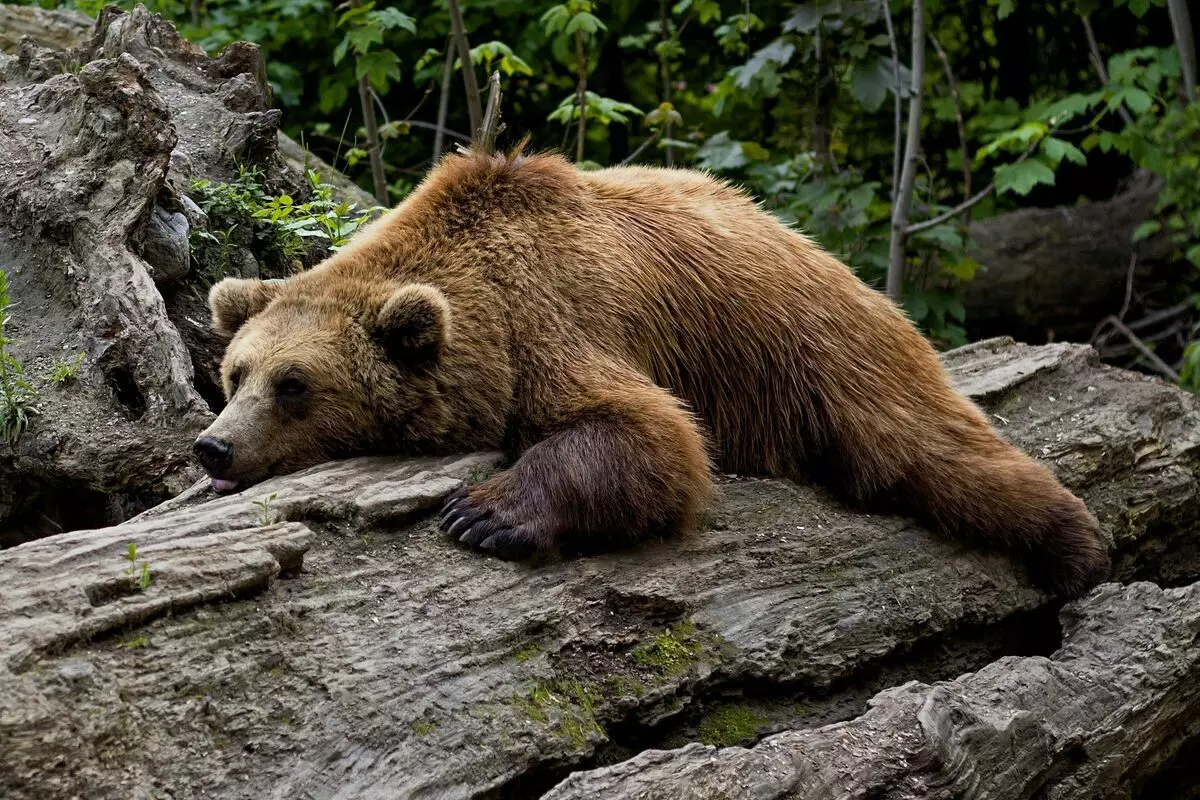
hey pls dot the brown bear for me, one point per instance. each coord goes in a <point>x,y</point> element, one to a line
<point>614,332</point>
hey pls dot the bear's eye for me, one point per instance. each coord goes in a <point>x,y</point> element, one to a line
<point>291,387</point>
<point>235,379</point>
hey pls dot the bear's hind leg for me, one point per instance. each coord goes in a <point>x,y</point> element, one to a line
<point>950,469</point>
<point>622,460</point>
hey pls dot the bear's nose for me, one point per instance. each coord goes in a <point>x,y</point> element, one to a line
<point>216,455</point>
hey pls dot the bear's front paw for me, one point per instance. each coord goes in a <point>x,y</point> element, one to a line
<point>479,519</point>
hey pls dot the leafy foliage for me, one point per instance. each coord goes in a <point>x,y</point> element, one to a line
<point>280,232</point>
<point>16,393</point>
<point>793,100</point>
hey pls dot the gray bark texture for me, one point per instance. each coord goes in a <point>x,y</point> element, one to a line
<point>1054,273</point>
<point>315,636</point>
<point>103,125</point>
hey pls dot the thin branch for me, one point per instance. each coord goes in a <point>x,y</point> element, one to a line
<point>1181,26</point>
<point>459,32</point>
<point>967,204</point>
<point>1150,355</point>
<point>908,175</point>
<point>958,119</point>
<point>443,101</point>
<point>1128,286</point>
<point>665,71</point>
<point>898,144</point>
<point>651,139</point>
<point>485,142</point>
<point>1098,65</point>
<point>581,91</point>
<point>372,126</point>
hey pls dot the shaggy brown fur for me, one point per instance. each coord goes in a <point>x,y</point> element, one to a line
<point>612,330</point>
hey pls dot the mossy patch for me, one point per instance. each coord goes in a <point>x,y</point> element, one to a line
<point>526,653</point>
<point>673,651</point>
<point>568,707</point>
<point>728,725</point>
<point>422,727</point>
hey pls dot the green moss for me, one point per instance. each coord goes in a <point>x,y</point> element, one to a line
<point>422,727</point>
<point>672,652</point>
<point>728,725</point>
<point>136,643</point>
<point>569,707</point>
<point>526,653</point>
<point>624,686</point>
<point>480,474</point>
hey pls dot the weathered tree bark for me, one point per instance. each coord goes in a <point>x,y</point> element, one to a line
<point>58,29</point>
<point>101,132</point>
<point>1091,721</point>
<point>1054,273</point>
<point>332,643</point>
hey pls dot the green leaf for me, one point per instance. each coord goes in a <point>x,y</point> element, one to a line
<point>755,151</point>
<point>870,80</point>
<point>764,64</point>
<point>555,20</point>
<point>1193,255</point>
<point>361,39</point>
<point>917,307</point>
<point>378,67</point>
<point>1056,150</point>
<point>720,153</point>
<point>1022,177</point>
<point>392,18</point>
<point>585,23</point>
<point>354,12</point>
<point>1146,230</point>
<point>339,52</point>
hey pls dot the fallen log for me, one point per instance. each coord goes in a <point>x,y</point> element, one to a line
<point>1092,721</point>
<point>1051,274</point>
<point>315,636</point>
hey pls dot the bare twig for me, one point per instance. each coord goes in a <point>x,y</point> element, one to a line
<point>958,119</point>
<point>1128,286</point>
<point>967,204</point>
<point>903,203</point>
<point>651,139</point>
<point>459,32</point>
<point>898,144</point>
<point>1150,355</point>
<point>1098,65</point>
<point>443,101</point>
<point>581,91</point>
<point>485,142</point>
<point>373,151</point>
<point>1181,26</point>
<point>665,70</point>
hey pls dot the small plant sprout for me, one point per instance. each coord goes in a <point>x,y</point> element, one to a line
<point>65,371</point>
<point>16,393</point>
<point>265,515</point>
<point>139,576</point>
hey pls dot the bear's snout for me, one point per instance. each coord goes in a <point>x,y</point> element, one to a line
<point>215,455</point>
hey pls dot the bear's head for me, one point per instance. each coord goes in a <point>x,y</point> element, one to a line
<point>317,372</point>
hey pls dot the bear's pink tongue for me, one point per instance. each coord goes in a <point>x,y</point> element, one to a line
<point>222,485</point>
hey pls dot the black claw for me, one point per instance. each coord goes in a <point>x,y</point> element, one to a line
<point>481,531</point>
<point>509,544</point>
<point>462,517</point>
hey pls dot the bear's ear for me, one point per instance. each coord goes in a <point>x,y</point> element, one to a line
<point>235,300</point>
<point>413,324</point>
